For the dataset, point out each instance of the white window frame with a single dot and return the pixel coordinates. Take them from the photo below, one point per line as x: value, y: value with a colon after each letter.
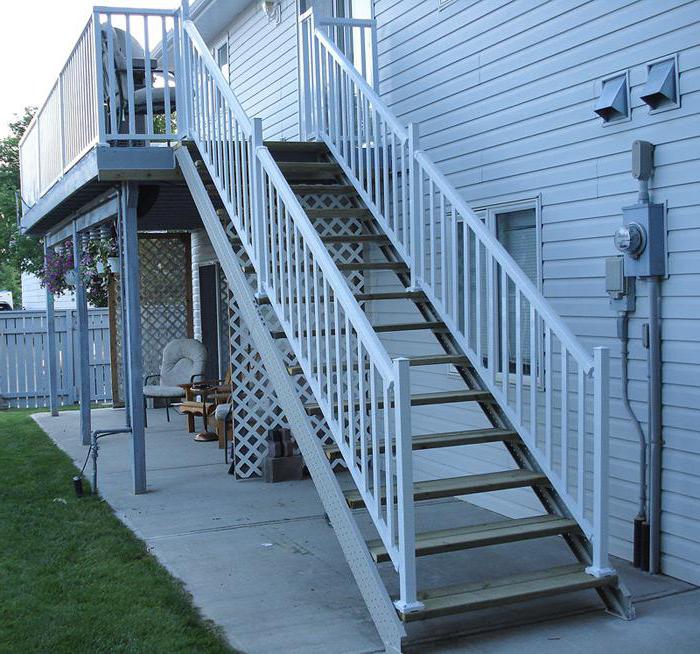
x: 489, y: 213
x: 218, y: 44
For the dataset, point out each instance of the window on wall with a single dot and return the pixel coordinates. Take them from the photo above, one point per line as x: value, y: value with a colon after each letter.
x: 517, y: 227
x: 222, y: 59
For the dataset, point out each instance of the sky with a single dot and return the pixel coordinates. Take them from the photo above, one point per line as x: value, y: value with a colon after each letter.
x: 36, y: 37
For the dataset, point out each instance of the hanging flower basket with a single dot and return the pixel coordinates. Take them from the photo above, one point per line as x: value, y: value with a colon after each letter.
x: 58, y: 273
x: 113, y: 265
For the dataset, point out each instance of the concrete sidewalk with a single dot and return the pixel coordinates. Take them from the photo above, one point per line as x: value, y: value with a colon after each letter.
x: 261, y: 561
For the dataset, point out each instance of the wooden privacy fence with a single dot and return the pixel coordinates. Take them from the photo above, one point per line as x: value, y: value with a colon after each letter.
x: 24, y: 375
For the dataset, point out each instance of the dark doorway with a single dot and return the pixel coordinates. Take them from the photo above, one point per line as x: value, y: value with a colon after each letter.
x: 209, y: 312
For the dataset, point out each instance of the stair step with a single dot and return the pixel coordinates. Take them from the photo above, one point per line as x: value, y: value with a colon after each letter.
x: 410, y: 327
x: 356, y: 266
x: 332, y: 238
x: 374, y: 265
x: 366, y: 297
x: 309, y: 168
x: 391, y: 295
x: 297, y: 146
x: 424, y: 399
x: 469, y: 597
x: 335, y: 189
x: 437, y: 359
x: 348, y: 212
x: 444, y: 439
x: 462, y: 538
x: 456, y: 486
x: 383, y: 329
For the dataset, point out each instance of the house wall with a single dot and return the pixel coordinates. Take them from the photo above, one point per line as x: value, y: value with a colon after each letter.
x: 504, y: 93
x: 263, y: 68
x: 34, y: 296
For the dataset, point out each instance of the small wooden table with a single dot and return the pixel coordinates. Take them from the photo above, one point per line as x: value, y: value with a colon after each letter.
x: 202, y: 407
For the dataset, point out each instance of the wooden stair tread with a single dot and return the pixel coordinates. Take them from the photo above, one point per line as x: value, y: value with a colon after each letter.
x: 437, y: 359
x: 473, y: 596
x: 374, y: 265
x: 297, y: 146
x: 354, y: 266
x: 347, y: 212
x: 341, y: 189
x: 461, y: 538
x: 444, y: 439
x: 367, y: 297
x: 466, y: 485
x: 423, y: 399
x: 332, y: 238
x: 381, y: 329
x: 309, y: 167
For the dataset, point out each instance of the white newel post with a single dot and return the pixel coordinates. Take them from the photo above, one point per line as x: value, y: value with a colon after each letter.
x: 257, y: 200
x: 416, y: 216
x: 306, y: 38
x: 408, y: 600
x: 600, y: 566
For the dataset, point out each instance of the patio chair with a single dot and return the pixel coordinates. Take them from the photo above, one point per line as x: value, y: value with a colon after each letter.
x: 184, y: 360
x: 115, y: 70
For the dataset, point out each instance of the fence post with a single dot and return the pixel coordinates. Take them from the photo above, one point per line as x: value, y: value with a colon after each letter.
x: 600, y: 566
x: 415, y: 215
x: 408, y: 600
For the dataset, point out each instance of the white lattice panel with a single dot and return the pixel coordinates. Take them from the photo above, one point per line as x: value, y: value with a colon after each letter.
x: 255, y: 407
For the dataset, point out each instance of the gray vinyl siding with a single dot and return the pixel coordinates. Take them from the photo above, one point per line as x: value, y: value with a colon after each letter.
x: 503, y: 92
x: 263, y: 68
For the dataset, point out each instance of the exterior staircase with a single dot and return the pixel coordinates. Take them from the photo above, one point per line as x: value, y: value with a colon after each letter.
x: 309, y: 168
x: 299, y: 229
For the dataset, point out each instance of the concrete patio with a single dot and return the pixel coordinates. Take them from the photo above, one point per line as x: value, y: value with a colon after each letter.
x: 261, y: 561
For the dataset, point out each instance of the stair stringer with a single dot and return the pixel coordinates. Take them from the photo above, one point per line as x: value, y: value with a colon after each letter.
x: 369, y: 582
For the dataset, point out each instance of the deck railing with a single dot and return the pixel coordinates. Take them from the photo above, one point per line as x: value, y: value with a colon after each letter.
x: 117, y: 87
x: 546, y: 383
x: 362, y: 393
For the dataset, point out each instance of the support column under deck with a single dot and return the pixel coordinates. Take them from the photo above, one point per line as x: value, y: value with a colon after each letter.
x: 133, y: 382
x: 51, y: 348
x: 83, y: 342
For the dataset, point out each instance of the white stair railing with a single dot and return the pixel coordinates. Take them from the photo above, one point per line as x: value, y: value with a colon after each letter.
x: 363, y: 394
x: 544, y: 380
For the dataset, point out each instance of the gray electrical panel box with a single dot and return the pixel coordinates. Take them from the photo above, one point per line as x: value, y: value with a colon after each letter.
x: 652, y: 259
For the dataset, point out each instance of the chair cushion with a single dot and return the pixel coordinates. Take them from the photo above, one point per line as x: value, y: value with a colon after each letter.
x: 163, y: 391
x: 182, y: 358
x: 222, y: 412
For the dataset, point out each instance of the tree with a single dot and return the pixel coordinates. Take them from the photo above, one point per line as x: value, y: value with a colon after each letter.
x: 18, y: 252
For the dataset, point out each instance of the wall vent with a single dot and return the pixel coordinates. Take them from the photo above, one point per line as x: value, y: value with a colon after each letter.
x: 614, y: 103
x: 661, y: 88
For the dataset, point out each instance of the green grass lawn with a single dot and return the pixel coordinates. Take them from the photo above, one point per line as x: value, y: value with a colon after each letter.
x: 72, y: 577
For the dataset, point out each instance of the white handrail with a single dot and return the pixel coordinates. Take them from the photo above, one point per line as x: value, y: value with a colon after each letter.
x: 363, y: 394
x: 515, y: 272
x: 491, y: 307
x: 219, y: 79
x: 362, y: 85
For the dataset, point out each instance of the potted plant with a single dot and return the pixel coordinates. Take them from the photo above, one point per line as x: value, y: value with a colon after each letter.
x: 58, y: 273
